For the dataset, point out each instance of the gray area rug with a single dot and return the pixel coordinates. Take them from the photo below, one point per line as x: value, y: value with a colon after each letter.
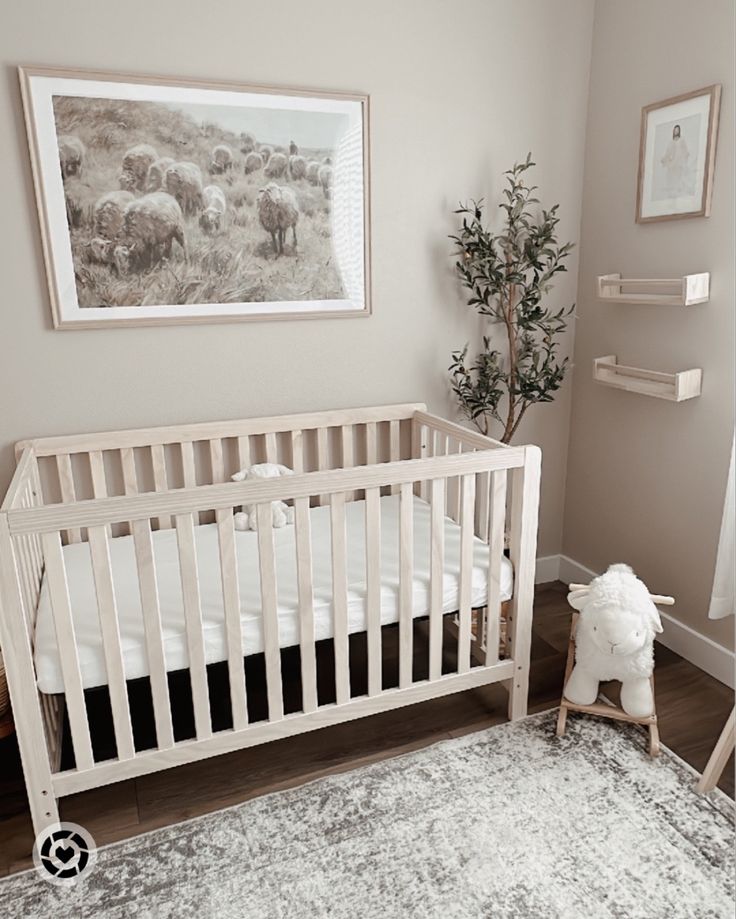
x: 510, y: 822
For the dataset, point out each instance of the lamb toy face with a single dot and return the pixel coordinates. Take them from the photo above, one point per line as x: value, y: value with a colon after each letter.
x: 281, y: 513
x: 615, y: 639
x: 617, y: 631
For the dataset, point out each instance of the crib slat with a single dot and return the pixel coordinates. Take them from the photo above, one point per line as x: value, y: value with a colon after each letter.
x: 243, y: 452
x: 22, y: 547
x: 150, y: 606
x: 193, y: 621
x: 187, y: 464
x: 371, y: 443
x: 233, y: 627
x: 303, y: 534
x: 217, y: 462
x: 420, y: 443
x: 348, y: 452
x: 297, y: 451
x: 394, y: 437
x: 130, y: 476
x: 323, y: 449
x: 66, y: 485
x: 454, y: 502
x: 483, y: 505
x: 97, y: 472
x: 373, y: 587
x: 495, y: 549
x: 272, y: 454
x: 68, y: 654
x: 269, y: 607
x: 406, y: 584
x: 108, y: 613
x: 340, y: 597
x: 437, y: 564
x: 467, y: 507
x: 36, y: 548
x: 323, y: 457
x: 36, y: 556
x: 394, y: 428
x: 160, y: 478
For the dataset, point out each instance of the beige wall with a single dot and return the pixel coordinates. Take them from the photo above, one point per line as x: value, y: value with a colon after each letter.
x: 646, y: 478
x: 457, y: 96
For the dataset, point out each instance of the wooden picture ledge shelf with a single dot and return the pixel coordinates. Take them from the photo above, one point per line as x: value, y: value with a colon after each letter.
x: 675, y: 387
x: 688, y: 290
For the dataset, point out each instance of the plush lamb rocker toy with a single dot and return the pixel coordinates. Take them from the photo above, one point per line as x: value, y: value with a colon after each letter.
x: 615, y: 639
x: 281, y: 513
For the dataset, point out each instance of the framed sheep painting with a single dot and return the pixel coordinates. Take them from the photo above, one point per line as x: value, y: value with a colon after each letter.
x: 167, y: 201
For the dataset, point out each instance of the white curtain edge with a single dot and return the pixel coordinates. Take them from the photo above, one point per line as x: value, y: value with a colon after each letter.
x: 722, y: 598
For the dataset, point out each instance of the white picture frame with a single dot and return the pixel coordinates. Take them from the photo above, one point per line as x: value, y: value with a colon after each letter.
x: 163, y: 261
x: 677, y: 156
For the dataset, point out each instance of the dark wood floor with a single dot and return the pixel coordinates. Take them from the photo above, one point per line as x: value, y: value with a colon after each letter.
x: 692, y: 709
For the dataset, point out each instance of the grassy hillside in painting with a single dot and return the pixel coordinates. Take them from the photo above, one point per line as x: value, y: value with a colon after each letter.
x: 234, y: 265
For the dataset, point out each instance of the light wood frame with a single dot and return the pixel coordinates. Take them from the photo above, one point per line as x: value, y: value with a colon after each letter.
x: 338, y: 456
x: 26, y: 73
x: 689, y: 290
x: 674, y: 387
x: 714, y: 92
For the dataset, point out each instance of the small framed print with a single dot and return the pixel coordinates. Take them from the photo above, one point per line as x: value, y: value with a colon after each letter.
x: 167, y: 201
x: 677, y: 152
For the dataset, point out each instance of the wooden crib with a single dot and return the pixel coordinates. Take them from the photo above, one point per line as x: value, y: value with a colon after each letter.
x: 419, y: 492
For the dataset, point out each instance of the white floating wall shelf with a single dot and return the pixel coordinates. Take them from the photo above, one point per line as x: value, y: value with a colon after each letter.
x: 685, y: 291
x: 676, y: 387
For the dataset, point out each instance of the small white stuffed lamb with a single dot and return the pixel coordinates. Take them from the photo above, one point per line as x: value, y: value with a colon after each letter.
x: 281, y: 513
x: 615, y: 639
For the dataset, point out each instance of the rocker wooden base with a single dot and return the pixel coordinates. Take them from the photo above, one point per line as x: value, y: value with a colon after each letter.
x: 602, y: 709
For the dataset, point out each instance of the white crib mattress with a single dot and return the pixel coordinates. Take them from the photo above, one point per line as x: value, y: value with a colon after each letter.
x: 86, y: 618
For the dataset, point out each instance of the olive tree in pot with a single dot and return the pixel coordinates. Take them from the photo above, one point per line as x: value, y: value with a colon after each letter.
x: 508, y: 275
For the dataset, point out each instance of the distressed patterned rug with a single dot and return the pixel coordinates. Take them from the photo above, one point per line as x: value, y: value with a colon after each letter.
x: 510, y: 822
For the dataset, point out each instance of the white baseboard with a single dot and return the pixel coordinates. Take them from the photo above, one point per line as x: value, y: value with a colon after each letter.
x: 572, y: 571
x: 548, y: 569
x: 700, y: 650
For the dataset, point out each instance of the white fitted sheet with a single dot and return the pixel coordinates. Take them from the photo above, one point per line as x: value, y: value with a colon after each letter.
x: 86, y: 618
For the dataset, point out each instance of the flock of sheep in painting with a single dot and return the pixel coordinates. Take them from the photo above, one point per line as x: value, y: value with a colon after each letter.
x: 134, y: 227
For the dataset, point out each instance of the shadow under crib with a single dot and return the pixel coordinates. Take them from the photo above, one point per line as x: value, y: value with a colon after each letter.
x: 140, y: 701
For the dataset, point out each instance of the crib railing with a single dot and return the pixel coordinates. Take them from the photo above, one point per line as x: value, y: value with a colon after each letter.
x: 82, y: 467
x: 398, y: 450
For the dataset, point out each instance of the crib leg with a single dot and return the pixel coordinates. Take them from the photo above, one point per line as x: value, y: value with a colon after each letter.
x: 44, y: 808
x: 523, y: 546
x: 20, y: 673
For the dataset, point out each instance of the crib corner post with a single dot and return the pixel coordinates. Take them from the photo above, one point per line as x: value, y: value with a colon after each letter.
x: 523, y: 550
x: 20, y: 674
